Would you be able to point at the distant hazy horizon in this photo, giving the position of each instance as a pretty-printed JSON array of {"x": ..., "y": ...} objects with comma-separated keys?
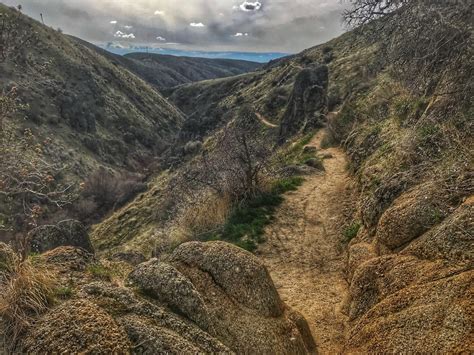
[{"x": 259, "y": 57}]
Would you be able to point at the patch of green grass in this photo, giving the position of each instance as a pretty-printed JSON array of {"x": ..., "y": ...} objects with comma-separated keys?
[
  {"x": 247, "y": 223},
  {"x": 350, "y": 232},
  {"x": 294, "y": 154},
  {"x": 287, "y": 184},
  {"x": 64, "y": 292},
  {"x": 99, "y": 271}
]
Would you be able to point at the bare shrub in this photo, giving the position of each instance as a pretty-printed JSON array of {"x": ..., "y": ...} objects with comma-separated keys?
[
  {"x": 430, "y": 47},
  {"x": 237, "y": 162},
  {"x": 26, "y": 291},
  {"x": 29, "y": 183},
  {"x": 104, "y": 191}
]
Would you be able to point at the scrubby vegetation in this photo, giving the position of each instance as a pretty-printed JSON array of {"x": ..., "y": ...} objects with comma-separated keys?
[{"x": 27, "y": 289}]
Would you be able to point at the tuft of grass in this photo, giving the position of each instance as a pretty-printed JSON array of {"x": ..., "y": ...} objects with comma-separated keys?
[
  {"x": 99, "y": 271},
  {"x": 350, "y": 232},
  {"x": 246, "y": 223},
  {"x": 64, "y": 292},
  {"x": 26, "y": 291}
]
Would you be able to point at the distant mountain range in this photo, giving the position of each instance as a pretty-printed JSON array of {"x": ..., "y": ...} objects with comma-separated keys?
[{"x": 263, "y": 57}]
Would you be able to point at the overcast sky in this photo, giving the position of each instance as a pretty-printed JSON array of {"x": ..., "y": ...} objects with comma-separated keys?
[{"x": 265, "y": 25}]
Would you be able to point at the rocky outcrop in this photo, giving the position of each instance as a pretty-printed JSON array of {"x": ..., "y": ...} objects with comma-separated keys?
[
  {"x": 416, "y": 298},
  {"x": 204, "y": 298},
  {"x": 65, "y": 233},
  {"x": 227, "y": 292},
  {"x": 77, "y": 326},
  {"x": 308, "y": 102}
]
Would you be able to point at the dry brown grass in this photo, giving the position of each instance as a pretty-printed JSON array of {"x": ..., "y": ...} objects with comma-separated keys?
[
  {"x": 208, "y": 214},
  {"x": 25, "y": 292}
]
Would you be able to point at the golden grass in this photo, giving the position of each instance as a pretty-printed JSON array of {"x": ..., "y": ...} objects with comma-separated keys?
[{"x": 26, "y": 291}]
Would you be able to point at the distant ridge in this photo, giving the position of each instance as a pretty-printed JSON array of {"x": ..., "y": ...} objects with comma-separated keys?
[{"x": 260, "y": 57}]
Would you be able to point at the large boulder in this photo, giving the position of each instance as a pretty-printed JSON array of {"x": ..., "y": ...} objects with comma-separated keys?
[
  {"x": 77, "y": 326},
  {"x": 240, "y": 274},
  {"x": 411, "y": 215},
  {"x": 308, "y": 102},
  {"x": 152, "y": 328},
  {"x": 65, "y": 233},
  {"x": 228, "y": 293},
  {"x": 165, "y": 283}
]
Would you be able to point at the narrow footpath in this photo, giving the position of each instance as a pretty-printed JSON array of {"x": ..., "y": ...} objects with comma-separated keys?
[{"x": 304, "y": 252}]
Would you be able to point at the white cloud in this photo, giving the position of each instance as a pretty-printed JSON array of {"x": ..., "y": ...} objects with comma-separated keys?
[
  {"x": 159, "y": 38},
  {"x": 128, "y": 27},
  {"x": 113, "y": 22},
  {"x": 248, "y": 6},
  {"x": 120, "y": 34},
  {"x": 159, "y": 12},
  {"x": 196, "y": 24},
  {"x": 240, "y": 34}
]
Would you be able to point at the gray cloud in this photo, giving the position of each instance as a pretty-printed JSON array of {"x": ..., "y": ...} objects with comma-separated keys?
[{"x": 270, "y": 25}]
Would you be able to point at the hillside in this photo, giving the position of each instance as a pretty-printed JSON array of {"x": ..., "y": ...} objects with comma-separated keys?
[
  {"x": 166, "y": 71},
  {"x": 345, "y": 172},
  {"x": 82, "y": 110}
]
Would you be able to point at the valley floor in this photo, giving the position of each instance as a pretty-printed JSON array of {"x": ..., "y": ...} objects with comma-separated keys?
[{"x": 304, "y": 251}]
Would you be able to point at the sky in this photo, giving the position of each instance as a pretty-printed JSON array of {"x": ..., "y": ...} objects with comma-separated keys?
[{"x": 213, "y": 25}]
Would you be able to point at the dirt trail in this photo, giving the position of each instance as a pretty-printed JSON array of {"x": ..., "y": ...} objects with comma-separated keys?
[
  {"x": 304, "y": 254},
  {"x": 265, "y": 121}
]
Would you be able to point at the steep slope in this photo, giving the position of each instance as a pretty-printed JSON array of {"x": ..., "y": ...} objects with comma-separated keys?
[
  {"x": 165, "y": 71},
  {"x": 94, "y": 111}
]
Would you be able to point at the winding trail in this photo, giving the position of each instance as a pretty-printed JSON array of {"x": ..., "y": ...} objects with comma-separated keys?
[
  {"x": 304, "y": 252},
  {"x": 265, "y": 121}
]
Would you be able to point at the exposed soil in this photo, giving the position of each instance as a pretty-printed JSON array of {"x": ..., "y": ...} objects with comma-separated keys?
[{"x": 305, "y": 253}]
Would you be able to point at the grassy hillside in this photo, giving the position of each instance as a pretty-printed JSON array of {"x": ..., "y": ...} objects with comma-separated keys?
[
  {"x": 166, "y": 71},
  {"x": 79, "y": 108},
  {"x": 85, "y": 102}
]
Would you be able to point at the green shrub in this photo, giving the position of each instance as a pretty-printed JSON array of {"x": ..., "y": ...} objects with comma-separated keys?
[
  {"x": 350, "y": 232},
  {"x": 246, "y": 224}
]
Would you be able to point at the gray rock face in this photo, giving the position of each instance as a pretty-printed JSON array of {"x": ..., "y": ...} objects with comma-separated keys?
[
  {"x": 308, "y": 103},
  {"x": 65, "y": 233}
]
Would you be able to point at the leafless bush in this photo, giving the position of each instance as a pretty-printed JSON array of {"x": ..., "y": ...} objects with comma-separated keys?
[
  {"x": 104, "y": 191},
  {"x": 427, "y": 44},
  {"x": 364, "y": 11},
  {"x": 29, "y": 183},
  {"x": 237, "y": 162}
]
